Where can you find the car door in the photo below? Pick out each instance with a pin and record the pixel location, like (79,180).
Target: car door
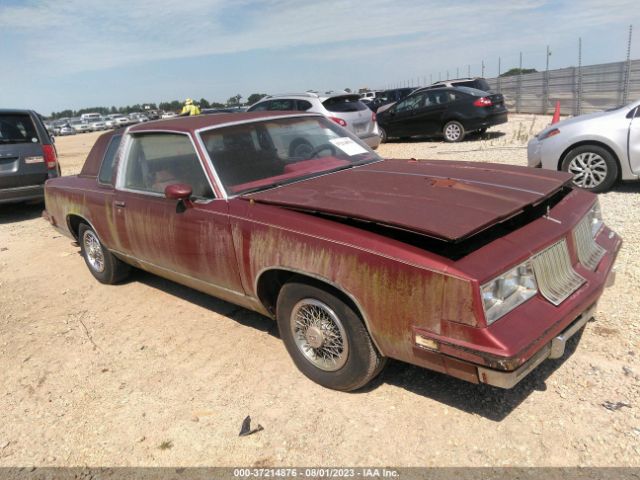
(634,142)
(436,105)
(400,120)
(191,244)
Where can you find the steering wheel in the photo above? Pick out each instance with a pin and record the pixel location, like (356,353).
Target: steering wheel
(320,148)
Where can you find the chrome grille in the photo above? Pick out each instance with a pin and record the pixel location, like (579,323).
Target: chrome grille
(589,252)
(554,273)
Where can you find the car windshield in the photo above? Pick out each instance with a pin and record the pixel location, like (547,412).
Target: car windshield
(17,128)
(472,91)
(260,155)
(344,103)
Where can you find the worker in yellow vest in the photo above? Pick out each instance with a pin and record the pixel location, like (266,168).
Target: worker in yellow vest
(189,108)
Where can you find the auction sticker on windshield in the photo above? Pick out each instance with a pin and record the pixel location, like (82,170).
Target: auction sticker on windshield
(348,146)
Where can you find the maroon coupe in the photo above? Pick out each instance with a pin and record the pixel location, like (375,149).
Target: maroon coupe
(479,271)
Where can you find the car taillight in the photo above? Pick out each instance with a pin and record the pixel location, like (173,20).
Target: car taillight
(50,158)
(483,102)
(373,116)
(339,121)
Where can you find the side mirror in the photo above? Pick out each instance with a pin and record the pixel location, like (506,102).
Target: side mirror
(180,192)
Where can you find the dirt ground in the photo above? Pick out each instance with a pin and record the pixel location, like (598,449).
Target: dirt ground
(152,373)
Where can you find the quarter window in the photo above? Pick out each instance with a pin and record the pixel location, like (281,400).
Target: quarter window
(156,160)
(303,105)
(106,169)
(281,105)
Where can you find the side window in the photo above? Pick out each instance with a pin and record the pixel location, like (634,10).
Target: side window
(303,105)
(106,168)
(437,98)
(260,107)
(156,160)
(281,105)
(453,96)
(411,103)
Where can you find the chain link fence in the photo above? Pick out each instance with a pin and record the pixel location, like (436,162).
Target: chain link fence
(578,89)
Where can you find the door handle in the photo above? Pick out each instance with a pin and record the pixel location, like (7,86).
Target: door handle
(119,204)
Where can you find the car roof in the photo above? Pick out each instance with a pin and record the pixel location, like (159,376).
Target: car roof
(16,110)
(319,96)
(197,122)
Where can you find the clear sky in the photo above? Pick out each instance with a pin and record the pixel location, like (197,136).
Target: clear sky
(58,54)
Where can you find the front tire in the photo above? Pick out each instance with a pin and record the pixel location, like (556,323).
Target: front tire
(326,338)
(102,264)
(453,132)
(594,168)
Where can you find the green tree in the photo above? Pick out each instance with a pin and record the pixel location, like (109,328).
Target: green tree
(518,71)
(204,103)
(235,100)
(255,97)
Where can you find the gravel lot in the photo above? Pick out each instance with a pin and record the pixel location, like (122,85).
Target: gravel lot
(152,373)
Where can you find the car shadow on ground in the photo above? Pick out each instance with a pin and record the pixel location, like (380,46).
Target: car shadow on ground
(492,403)
(626,187)
(470,137)
(19,212)
(241,315)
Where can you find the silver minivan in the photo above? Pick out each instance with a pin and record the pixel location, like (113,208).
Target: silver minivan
(345,109)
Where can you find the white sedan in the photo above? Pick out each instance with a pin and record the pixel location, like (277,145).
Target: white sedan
(598,149)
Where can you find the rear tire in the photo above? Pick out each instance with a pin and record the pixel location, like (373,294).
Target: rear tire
(383,135)
(102,264)
(453,131)
(326,338)
(594,168)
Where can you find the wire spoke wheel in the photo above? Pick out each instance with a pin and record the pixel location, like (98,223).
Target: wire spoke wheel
(319,334)
(93,249)
(589,169)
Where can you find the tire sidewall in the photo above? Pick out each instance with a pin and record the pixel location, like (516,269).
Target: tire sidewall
(383,134)
(356,371)
(612,166)
(110,274)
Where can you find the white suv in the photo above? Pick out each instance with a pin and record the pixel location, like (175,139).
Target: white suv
(345,109)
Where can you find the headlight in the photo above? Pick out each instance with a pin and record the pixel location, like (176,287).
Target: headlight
(595,218)
(548,133)
(506,292)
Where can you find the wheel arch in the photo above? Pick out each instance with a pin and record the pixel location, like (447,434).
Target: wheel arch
(596,143)
(269,283)
(73,224)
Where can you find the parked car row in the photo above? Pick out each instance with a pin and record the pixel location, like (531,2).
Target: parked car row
(94,122)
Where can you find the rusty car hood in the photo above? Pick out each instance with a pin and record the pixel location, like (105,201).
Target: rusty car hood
(446,200)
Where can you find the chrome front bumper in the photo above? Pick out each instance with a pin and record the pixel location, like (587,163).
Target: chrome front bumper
(554,349)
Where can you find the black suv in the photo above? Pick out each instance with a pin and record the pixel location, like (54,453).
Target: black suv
(28,156)
(447,112)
